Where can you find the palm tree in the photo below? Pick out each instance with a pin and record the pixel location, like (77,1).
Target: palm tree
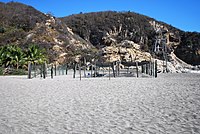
(17,56)
(1,53)
(5,54)
(35,55)
(11,55)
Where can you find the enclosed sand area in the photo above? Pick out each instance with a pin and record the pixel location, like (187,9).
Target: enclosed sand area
(169,104)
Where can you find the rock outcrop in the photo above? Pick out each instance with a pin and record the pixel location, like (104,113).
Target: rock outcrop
(125,51)
(58,39)
(112,28)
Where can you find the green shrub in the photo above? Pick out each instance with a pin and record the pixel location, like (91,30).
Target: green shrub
(6,71)
(1,71)
(19,72)
(2,30)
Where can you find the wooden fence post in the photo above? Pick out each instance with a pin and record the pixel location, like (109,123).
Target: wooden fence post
(55,69)
(137,69)
(62,68)
(118,68)
(147,69)
(34,67)
(142,68)
(84,69)
(91,71)
(66,69)
(113,69)
(52,71)
(74,68)
(80,69)
(29,70)
(156,69)
(59,70)
(95,69)
(109,72)
(153,68)
(150,68)
(44,71)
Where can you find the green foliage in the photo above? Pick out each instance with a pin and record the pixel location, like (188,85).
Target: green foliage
(94,26)
(11,55)
(11,34)
(35,55)
(18,72)
(20,16)
(2,30)
(188,48)
(1,71)
(12,71)
(14,57)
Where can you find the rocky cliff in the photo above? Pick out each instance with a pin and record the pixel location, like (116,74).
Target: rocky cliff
(105,29)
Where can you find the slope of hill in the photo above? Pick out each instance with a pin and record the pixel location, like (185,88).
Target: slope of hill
(106,28)
(23,25)
(123,36)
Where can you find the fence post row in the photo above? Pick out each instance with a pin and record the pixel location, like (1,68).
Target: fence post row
(149,68)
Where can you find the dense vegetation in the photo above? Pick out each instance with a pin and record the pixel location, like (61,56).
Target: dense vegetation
(189,48)
(94,26)
(17,21)
(22,25)
(11,56)
(19,16)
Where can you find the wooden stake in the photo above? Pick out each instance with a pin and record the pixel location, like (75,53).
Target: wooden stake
(118,67)
(34,66)
(91,71)
(66,69)
(113,69)
(62,68)
(84,63)
(153,68)
(109,72)
(147,70)
(156,69)
(29,70)
(74,68)
(137,69)
(142,68)
(95,69)
(55,69)
(59,69)
(44,73)
(52,72)
(80,69)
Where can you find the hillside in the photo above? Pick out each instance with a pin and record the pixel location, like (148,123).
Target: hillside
(106,28)
(23,25)
(108,36)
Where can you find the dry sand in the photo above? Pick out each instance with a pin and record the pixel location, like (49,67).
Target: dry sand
(169,104)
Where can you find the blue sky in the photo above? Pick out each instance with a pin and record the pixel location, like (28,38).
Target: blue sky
(183,14)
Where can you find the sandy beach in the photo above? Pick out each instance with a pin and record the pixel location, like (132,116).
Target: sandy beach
(169,104)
